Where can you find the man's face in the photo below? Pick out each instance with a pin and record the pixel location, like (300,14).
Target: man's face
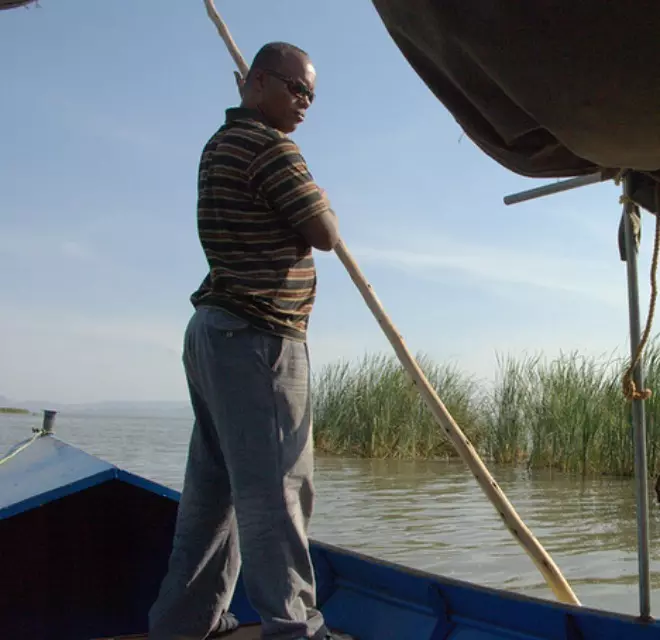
(287,91)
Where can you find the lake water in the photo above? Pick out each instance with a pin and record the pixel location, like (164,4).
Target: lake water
(428,515)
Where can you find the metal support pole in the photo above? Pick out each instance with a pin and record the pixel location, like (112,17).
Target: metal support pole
(638,413)
(557,187)
(49,420)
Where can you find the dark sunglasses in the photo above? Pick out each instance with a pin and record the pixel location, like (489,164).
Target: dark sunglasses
(295,87)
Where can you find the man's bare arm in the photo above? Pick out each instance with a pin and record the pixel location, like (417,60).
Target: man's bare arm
(321,231)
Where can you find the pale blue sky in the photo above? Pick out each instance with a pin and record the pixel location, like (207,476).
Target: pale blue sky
(105,109)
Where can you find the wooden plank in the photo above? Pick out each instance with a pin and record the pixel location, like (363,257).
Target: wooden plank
(244,632)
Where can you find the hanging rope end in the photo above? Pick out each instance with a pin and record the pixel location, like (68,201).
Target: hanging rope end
(631,393)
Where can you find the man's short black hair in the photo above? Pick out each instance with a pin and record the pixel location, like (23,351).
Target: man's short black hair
(271,55)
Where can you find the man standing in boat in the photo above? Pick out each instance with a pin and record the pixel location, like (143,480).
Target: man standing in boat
(250,460)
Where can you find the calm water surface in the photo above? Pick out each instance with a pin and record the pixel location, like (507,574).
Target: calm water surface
(428,515)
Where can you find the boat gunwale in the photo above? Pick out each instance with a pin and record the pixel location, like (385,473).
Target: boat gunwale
(328,553)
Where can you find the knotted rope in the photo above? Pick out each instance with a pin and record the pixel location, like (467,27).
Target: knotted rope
(630,390)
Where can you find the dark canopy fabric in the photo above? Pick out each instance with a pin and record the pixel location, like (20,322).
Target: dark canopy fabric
(546,88)
(13,4)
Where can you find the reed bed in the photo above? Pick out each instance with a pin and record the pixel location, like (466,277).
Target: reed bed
(371,409)
(567,413)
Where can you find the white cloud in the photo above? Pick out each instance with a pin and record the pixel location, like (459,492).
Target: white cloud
(23,243)
(126,329)
(93,121)
(76,250)
(67,357)
(330,346)
(599,280)
(76,357)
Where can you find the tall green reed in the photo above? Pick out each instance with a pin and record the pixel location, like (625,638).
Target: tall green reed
(372,409)
(568,413)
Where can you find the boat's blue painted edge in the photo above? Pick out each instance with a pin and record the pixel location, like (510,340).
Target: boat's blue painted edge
(57,493)
(325,552)
(324,548)
(47,468)
(346,567)
(148,485)
(369,591)
(99,472)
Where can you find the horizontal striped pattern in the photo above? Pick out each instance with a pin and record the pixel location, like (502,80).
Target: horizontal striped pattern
(254,189)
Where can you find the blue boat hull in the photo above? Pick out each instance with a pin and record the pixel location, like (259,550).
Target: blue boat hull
(85,546)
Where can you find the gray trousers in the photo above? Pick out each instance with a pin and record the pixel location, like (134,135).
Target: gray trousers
(248,478)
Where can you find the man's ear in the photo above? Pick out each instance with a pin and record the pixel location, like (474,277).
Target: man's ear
(240,83)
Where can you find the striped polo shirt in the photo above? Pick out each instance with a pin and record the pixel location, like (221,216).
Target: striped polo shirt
(254,189)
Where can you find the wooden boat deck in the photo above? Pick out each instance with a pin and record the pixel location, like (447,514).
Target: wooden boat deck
(244,632)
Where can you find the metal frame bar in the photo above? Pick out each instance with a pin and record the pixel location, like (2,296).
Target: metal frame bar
(637,408)
(557,187)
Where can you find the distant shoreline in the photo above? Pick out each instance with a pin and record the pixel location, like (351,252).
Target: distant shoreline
(15,410)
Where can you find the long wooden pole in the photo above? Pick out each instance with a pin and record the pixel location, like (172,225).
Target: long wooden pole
(494,493)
